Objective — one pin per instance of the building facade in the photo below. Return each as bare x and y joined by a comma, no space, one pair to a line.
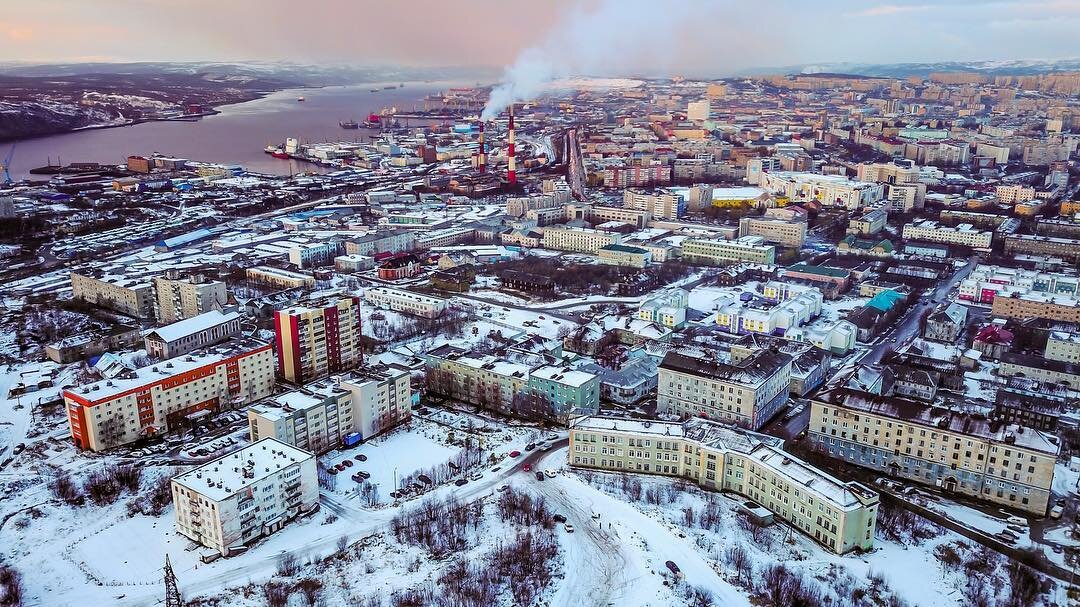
960,453
840,516
179,298
317,338
133,298
728,252
156,398
232,501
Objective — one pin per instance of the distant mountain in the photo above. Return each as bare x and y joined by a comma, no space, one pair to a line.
1018,67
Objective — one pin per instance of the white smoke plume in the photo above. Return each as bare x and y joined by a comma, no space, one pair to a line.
610,37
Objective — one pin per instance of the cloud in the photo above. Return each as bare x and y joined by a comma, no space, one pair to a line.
885,10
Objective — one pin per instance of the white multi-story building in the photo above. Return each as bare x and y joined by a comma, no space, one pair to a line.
127,296
661,205
152,399
728,252
839,515
406,302
779,308
964,234
197,332
314,254
746,392
276,277
829,190
698,110
667,309
232,501
578,240
348,408
777,231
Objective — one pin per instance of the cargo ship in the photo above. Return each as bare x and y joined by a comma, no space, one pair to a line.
373,121
349,124
276,152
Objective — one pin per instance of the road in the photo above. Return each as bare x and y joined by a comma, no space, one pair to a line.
907,326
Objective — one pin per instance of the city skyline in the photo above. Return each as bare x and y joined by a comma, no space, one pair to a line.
708,38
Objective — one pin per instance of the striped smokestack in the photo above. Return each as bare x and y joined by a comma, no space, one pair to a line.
481,161
511,167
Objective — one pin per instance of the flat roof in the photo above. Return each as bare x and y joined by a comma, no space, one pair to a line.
219,479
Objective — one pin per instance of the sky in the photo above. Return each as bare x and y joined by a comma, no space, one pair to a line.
692,37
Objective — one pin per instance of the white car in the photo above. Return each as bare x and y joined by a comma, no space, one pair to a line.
549,473
568,527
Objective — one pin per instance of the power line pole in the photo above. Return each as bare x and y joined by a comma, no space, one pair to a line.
172,593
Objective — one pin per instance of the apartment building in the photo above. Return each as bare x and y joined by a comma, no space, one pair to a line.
316,338
386,241
840,516
597,214
888,172
319,416
829,190
502,381
698,110
380,398
281,279
1055,372
406,302
638,176
776,231
962,453
84,345
519,206
1063,346
314,254
1067,249
232,501
153,399
661,205
623,255
989,281
746,391
869,223
578,240
192,334
728,252
777,309
1036,305
1012,194
131,297
184,297
965,234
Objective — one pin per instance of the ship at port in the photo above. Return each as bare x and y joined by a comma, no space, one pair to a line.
349,124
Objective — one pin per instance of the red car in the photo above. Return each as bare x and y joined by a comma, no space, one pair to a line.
515,453
527,468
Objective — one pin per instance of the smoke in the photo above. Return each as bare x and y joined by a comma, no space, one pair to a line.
612,38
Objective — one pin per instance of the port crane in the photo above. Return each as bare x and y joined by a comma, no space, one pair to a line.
6,164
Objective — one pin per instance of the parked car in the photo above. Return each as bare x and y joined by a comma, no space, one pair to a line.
539,475
347,463
1016,520
1057,511
530,446
332,470
361,458
364,474
339,467
568,527
356,477
476,476
1016,529
673,568
503,488
515,453
558,518
527,467
461,481
549,473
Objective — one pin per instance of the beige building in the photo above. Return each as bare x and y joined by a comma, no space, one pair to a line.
406,302
840,516
1012,194
728,252
1063,346
828,190
965,234
318,337
661,205
282,279
578,240
179,298
1065,248
232,501
1036,305
154,399
622,255
746,391
134,298
777,231
870,222
958,452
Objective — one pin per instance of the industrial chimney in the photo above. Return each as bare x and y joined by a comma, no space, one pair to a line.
511,167
481,161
